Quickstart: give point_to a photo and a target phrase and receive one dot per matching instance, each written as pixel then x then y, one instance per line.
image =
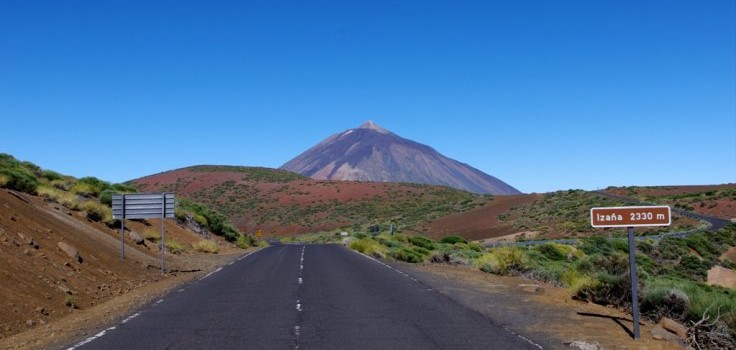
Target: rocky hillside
pixel 372 153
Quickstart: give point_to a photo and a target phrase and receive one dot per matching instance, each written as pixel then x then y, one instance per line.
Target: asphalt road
pixel 306 297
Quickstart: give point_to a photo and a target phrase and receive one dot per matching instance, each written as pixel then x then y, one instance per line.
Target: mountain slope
pixel 372 153
pixel 284 203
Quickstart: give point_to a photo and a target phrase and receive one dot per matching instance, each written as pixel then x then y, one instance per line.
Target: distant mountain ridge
pixel 372 153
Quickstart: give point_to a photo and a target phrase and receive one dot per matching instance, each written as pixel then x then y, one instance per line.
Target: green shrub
pixel 97 212
pixel 408 255
pixel 692 267
pixel 215 221
pixel 368 246
pixel 51 175
pixel 151 235
pixel 452 239
pixel 559 252
pixel 206 246
pixel 174 246
pixel 89 186
pixel 66 199
pixel 577 281
pixel 602 245
pixel 699 299
pixel 504 261
pixel 422 242
pixel 70 301
pixel 245 241
pixel 18 180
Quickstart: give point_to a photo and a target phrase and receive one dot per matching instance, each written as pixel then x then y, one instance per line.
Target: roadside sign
pixel 143 206
pixel 631 216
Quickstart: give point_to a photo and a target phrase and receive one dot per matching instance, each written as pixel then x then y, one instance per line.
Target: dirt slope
pixel 482 222
pixel 40 280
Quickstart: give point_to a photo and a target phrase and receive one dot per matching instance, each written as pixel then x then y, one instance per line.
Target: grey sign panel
pixel 142 205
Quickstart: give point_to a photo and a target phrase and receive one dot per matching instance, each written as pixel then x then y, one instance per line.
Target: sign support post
pixel 630 217
pixel 634 282
pixel 163 232
pixel 122 232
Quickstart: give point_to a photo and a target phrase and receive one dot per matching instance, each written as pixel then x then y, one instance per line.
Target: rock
pixel 579 344
pixel 531 288
pixel 65 289
pixel 137 238
pixel 70 251
pixel 673 327
pixel 30 323
pixel 659 333
pixel 42 311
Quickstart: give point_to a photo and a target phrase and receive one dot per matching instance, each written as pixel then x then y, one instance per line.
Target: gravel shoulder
pixel 544 313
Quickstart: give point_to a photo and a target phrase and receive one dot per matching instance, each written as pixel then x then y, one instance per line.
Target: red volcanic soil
pixel 39 280
pixel 282 203
pixel 724 208
pixel 482 222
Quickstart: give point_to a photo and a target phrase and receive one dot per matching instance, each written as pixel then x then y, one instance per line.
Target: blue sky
pixel 545 95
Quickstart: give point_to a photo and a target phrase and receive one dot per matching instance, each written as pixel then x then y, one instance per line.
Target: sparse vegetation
pixel 207 246
pixel 566 213
pixel 88 194
pixel 97 211
pixel 70 301
pixel 151 235
pixel 174 247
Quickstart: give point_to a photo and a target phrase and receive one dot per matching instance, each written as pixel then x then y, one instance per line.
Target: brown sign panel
pixel 631 216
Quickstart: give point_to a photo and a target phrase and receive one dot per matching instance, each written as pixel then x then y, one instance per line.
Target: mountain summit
pixel 372 153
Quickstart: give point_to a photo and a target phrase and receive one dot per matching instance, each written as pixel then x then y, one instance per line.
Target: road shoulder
pixel 542 312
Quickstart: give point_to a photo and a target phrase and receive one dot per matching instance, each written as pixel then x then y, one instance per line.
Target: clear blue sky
pixel 545 95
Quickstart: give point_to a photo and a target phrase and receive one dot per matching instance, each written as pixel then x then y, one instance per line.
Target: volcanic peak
pixel 370 125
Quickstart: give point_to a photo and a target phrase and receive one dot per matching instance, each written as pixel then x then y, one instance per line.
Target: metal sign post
pixel 631 217
pixel 633 276
pixel 143 206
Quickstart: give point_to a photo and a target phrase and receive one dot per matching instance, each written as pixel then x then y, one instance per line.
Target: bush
pixel 18 180
pixel 698 299
pixel 505 261
pixel 174 246
pixel 559 252
pixel 409 255
pixel 152 235
pixel 206 246
pixel 97 211
pixel 245 241
pixel 604 246
pixel 577 281
pixel 51 175
pixel 215 221
pixel 89 186
pixel 452 239
pixel 66 199
pixel 422 242
pixel 369 246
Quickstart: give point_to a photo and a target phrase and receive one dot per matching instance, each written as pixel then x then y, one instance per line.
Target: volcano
pixel 372 153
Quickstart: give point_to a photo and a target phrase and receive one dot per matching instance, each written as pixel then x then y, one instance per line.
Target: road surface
pixel 306 297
